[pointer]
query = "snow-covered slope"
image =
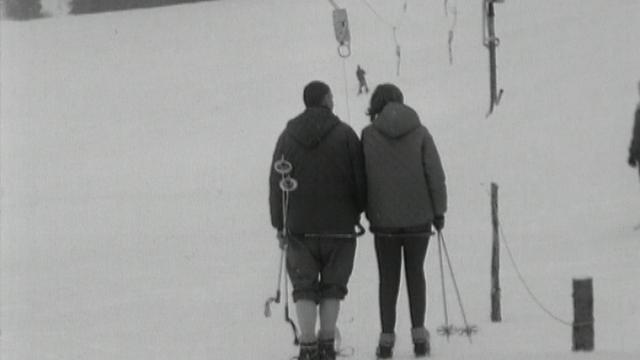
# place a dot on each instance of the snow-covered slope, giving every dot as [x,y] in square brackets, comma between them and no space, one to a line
[135,149]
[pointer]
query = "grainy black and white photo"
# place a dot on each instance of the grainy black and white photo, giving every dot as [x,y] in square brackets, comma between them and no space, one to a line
[319,179]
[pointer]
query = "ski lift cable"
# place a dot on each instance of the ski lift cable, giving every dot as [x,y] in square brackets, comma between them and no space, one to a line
[394,29]
[454,11]
[343,36]
[373,10]
[398,22]
[402,15]
[346,88]
[524,283]
[452,29]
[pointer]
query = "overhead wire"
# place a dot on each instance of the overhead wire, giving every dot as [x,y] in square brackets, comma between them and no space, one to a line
[341,28]
[454,11]
[394,28]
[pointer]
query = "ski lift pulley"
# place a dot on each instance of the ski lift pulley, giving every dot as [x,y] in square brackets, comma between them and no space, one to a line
[341,28]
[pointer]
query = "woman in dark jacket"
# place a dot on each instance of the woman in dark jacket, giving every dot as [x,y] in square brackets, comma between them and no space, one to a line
[406,195]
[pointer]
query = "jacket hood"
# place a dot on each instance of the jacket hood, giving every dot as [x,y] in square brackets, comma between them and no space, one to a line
[396,120]
[312,126]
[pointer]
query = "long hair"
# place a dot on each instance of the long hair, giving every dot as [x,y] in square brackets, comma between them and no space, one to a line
[382,95]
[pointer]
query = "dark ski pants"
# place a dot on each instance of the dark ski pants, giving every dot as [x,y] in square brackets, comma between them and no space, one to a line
[363,85]
[390,251]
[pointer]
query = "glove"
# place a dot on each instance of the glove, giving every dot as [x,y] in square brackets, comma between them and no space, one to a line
[282,239]
[438,222]
[632,161]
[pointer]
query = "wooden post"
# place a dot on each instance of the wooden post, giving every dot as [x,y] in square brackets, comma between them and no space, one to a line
[583,333]
[495,257]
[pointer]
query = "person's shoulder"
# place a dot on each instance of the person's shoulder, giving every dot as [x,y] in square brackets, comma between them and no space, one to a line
[424,131]
[345,128]
[367,129]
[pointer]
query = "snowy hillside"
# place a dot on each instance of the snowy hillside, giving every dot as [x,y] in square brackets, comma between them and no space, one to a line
[135,150]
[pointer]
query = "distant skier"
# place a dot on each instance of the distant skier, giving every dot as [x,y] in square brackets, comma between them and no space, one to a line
[406,196]
[634,148]
[362,81]
[326,157]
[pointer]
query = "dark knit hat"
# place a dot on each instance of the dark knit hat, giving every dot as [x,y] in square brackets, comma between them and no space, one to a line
[314,93]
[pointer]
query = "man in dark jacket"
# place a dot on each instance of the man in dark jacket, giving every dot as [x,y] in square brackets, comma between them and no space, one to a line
[634,148]
[322,212]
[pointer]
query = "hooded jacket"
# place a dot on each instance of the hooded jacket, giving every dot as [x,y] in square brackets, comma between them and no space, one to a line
[327,161]
[405,181]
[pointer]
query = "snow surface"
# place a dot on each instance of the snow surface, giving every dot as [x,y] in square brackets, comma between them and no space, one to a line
[135,150]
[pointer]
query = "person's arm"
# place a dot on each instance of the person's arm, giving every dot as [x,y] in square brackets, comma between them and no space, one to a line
[434,174]
[634,148]
[275,193]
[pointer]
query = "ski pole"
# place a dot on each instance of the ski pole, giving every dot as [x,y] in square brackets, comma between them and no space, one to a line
[283,168]
[287,185]
[446,329]
[467,330]
[296,340]
[276,299]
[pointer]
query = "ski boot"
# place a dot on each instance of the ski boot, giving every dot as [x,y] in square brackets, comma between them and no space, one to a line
[421,342]
[326,350]
[308,351]
[385,346]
